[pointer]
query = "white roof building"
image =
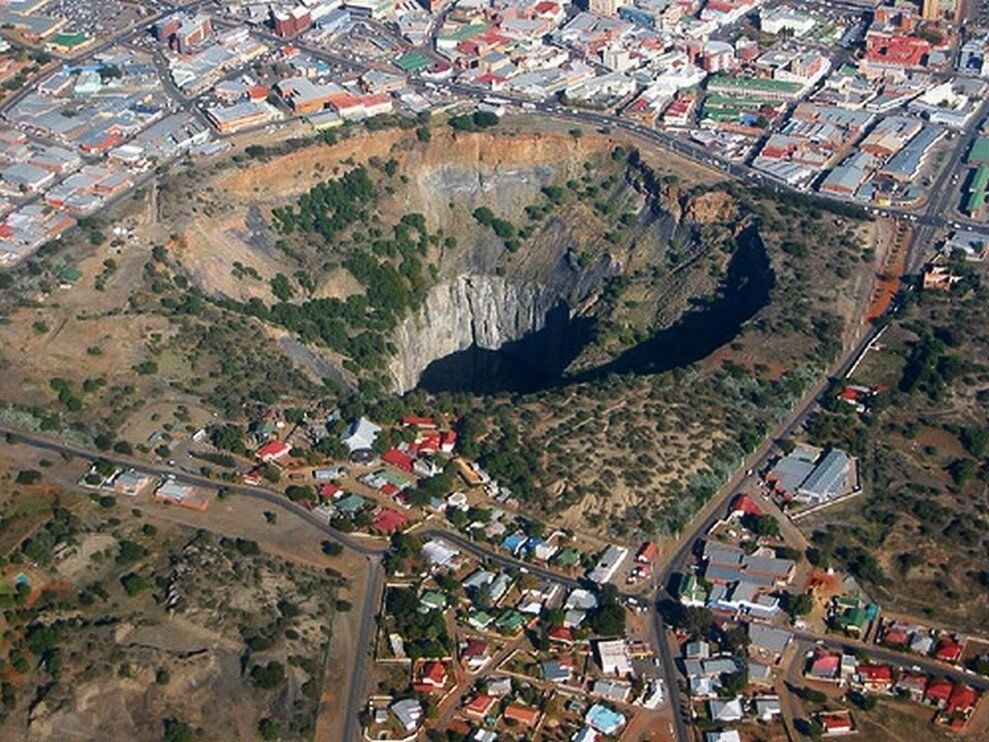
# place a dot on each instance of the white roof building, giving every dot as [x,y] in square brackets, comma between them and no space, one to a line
[613,656]
[360,434]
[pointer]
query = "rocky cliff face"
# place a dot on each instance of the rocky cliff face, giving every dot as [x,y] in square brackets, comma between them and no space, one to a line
[488,311]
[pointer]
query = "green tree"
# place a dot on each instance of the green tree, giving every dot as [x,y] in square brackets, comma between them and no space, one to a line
[268,676]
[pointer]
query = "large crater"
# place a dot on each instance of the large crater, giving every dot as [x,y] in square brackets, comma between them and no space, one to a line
[487,333]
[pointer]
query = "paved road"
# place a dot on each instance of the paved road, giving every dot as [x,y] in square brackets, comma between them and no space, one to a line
[893,657]
[362,658]
[269,497]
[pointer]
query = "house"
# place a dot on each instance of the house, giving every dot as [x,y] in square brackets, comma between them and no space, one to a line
[560,635]
[429,677]
[413,421]
[328,490]
[408,712]
[921,642]
[604,719]
[611,690]
[479,620]
[722,735]
[653,695]
[432,600]
[742,505]
[557,670]
[850,616]
[475,653]
[131,482]
[398,459]
[525,715]
[608,563]
[938,692]
[808,475]
[613,656]
[691,592]
[568,558]
[835,722]
[647,553]
[479,705]
[360,435]
[272,451]
[895,635]
[499,687]
[438,554]
[767,708]
[875,678]
[825,667]
[389,520]
[510,622]
[962,700]
[939,278]
[697,650]
[767,642]
[725,710]
[350,504]
[759,673]
[913,684]
[947,649]
[175,493]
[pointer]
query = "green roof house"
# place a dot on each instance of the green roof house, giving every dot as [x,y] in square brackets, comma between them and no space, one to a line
[510,621]
[568,557]
[350,504]
[432,600]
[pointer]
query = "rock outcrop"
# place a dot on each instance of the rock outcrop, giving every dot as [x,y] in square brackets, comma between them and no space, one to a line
[488,311]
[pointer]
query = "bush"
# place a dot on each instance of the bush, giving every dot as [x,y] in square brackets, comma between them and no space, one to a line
[133,583]
[267,729]
[176,730]
[28,476]
[331,548]
[268,676]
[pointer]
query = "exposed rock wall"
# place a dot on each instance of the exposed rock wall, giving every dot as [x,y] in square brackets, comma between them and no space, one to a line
[488,311]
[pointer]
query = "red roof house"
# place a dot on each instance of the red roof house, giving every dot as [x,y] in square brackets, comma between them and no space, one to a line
[825,667]
[522,714]
[835,722]
[430,677]
[962,700]
[938,692]
[389,520]
[948,649]
[742,504]
[874,677]
[328,490]
[647,553]
[272,450]
[896,636]
[475,653]
[428,441]
[448,440]
[479,705]
[398,459]
[561,634]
